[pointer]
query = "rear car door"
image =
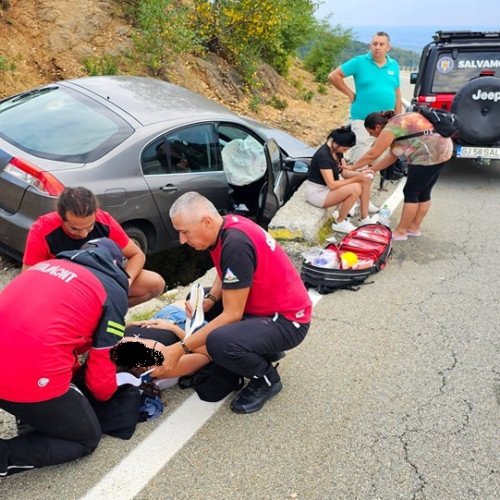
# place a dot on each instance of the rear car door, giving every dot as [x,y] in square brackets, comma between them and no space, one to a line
[186,159]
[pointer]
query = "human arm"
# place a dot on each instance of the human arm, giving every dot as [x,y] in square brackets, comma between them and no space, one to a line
[348,176]
[211,298]
[234,305]
[398,108]
[100,375]
[135,260]
[161,324]
[36,249]
[383,141]
[337,79]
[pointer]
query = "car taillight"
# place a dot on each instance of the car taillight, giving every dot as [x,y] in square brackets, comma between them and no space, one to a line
[40,179]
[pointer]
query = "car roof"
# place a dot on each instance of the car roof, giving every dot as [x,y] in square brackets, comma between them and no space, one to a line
[148,100]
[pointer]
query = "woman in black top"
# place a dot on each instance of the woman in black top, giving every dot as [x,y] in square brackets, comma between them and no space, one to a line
[329,183]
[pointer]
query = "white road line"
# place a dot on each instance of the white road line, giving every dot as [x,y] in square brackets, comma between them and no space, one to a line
[137,469]
[396,197]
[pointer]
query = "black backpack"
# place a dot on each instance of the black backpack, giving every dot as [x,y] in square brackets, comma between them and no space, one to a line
[444,122]
[395,171]
[212,382]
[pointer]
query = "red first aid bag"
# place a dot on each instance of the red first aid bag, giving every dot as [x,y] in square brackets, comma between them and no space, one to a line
[372,246]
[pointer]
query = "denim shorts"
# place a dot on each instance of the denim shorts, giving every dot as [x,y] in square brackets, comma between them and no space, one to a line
[173,314]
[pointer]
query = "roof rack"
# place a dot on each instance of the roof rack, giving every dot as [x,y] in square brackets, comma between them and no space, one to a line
[448,36]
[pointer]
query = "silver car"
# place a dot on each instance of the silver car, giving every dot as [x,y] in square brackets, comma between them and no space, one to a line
[138,143]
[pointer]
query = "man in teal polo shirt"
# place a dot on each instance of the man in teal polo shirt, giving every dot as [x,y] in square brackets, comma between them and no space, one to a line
[377,88]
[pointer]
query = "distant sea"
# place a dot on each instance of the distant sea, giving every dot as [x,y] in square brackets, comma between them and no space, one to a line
[410,37]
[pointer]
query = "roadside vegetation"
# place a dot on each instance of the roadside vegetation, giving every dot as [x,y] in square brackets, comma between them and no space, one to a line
[244,33]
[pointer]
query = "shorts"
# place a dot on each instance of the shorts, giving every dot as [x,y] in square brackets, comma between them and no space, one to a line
[316,194]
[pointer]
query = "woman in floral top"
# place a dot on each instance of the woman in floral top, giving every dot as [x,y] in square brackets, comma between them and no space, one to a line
[426,154]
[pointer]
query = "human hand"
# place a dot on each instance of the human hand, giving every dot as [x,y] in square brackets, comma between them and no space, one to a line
[171,355]
[189,309]
[155,323]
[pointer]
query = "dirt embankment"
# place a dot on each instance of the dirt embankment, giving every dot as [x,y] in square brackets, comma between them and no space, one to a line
[45,41]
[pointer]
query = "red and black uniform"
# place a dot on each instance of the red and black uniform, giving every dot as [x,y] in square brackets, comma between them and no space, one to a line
[51,313]
[47,236]
[278,307]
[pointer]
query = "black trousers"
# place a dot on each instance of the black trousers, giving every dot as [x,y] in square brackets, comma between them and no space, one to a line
[242,347]
[65,428]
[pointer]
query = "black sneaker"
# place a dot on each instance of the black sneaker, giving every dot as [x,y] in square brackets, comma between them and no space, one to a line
[254,396]
[23,427]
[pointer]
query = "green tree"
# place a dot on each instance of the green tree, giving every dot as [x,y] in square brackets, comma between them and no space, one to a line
[163,30]
[246,32]
[323,52]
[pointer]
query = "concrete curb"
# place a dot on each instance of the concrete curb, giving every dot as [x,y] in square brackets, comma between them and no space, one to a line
[299,221]
[295,226]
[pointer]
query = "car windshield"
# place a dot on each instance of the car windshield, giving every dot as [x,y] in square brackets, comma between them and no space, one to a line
[453,71]
[60,124]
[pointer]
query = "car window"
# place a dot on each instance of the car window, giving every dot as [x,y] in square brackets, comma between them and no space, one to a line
[190,149]
[454,69]
[245,166]
[63,125]
[243,155]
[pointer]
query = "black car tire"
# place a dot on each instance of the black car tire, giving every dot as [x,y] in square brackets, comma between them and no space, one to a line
[138,237]
[480,117]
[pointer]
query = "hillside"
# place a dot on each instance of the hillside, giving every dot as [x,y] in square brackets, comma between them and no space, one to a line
[46,41]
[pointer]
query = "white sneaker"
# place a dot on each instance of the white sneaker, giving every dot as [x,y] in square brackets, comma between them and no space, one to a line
[366,220]
[343,227]
[353,210]
[373,209]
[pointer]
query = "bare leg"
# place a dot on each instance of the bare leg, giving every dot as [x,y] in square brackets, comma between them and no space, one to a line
[347,195]
[407,216]
[364,199]
[146,286]
[423,208]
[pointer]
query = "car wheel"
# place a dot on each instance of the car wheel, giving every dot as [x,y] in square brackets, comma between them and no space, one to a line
[477,104]
[138,237]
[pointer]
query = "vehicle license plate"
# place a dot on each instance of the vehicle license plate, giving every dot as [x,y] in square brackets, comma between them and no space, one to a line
[470,152]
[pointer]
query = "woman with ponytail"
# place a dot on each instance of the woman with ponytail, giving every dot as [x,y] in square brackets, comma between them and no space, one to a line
[427,154]
[330,183]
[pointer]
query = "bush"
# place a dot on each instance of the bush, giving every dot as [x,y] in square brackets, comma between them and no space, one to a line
[255,103]
[306,95]
[322,89]
[98,66]
[278,103]
[323,54]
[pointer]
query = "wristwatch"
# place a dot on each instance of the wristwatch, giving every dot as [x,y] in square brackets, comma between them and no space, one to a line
[211,297]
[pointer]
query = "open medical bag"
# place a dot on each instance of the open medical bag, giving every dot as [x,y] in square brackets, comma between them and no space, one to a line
[372,247]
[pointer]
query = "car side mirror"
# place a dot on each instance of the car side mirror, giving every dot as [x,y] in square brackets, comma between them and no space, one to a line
[300,167]
[413,78]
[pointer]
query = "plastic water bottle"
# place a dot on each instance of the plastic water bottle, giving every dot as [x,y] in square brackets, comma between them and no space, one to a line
[384,216]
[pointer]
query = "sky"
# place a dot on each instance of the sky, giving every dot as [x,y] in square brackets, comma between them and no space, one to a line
[436,13]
